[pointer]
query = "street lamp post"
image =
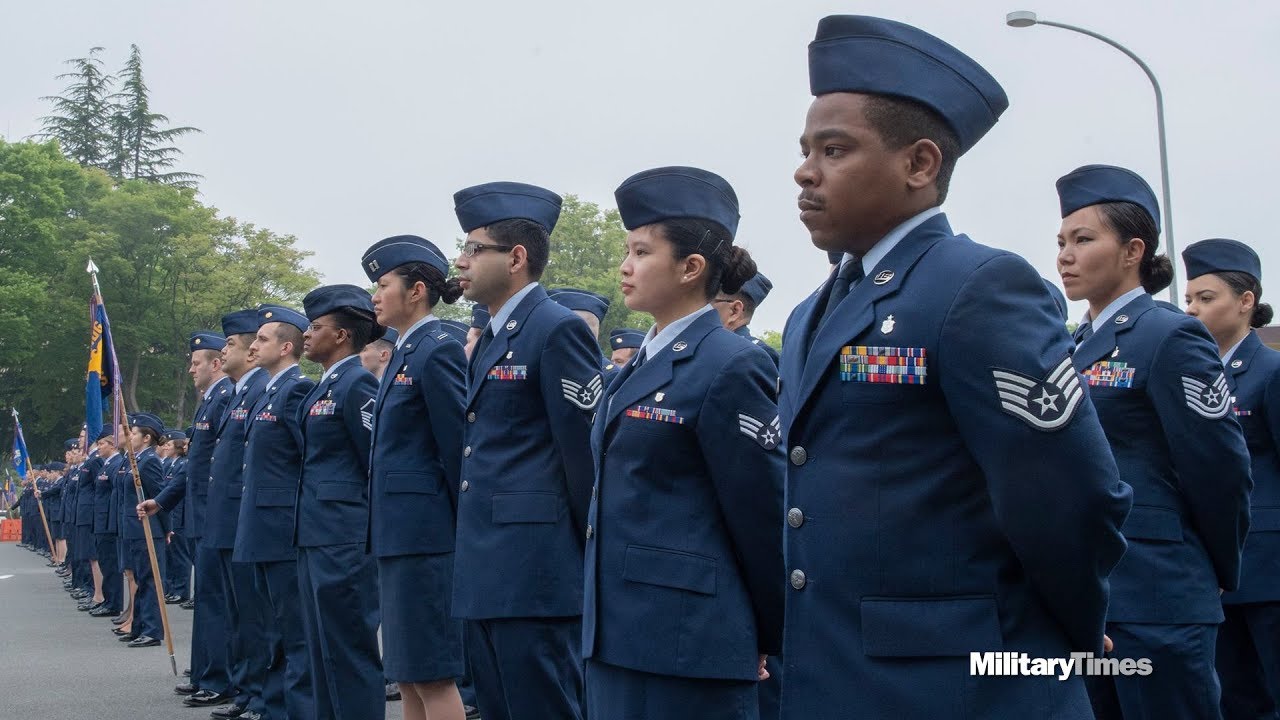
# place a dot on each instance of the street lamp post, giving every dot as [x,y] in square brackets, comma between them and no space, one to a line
[1025,18]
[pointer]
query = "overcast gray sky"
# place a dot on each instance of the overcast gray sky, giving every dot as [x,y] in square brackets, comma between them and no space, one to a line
[343,123]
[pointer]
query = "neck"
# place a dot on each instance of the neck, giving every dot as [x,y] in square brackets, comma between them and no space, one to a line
[402,326]
[275,368]
[662,317]
[1230,339]
[1098,304]
[335,358]
[862,244]
[498,301]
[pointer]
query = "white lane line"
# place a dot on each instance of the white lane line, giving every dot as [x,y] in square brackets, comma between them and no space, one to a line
[5,577]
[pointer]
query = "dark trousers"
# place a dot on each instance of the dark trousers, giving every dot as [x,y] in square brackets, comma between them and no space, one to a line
[146,613]
[1182,686]
[527,667]
[1249,661]
[287,691]
[178,566]
[109,563]
[771,690]
[246,622]
[211,630]
[617,693]
[338,587]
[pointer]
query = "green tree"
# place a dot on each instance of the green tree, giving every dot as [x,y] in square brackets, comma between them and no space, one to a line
[80,117]
[141,145]
[772,338]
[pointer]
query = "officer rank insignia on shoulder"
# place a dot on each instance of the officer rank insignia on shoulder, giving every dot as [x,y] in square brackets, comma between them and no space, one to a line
[767,434]
[898,365]
[508,372]
[1209,400]
[1110,374]
[583,396]
[322,407]
[1047,404]
[644,412]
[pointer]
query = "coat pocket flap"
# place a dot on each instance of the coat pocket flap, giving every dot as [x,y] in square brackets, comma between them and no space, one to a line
[532,507]
[670,568]
[1153,523]
[930,627]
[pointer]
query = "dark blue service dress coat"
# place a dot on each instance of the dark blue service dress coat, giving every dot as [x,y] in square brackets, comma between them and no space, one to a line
[949,491]
[415,467]
[685,534]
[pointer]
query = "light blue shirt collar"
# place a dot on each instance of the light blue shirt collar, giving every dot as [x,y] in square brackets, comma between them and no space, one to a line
[244,380]
[212,385]
[337,365]
[412,329]
[499,319]
[654,343]
[1226,358]
[272,382]
[890,241]
[1114,307]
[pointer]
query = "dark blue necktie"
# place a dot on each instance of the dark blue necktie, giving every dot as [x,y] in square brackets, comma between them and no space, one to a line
[850,273]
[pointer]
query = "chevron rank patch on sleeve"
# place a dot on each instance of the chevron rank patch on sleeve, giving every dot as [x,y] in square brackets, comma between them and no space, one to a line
[1211,400]
[1047,404]
[584,396]
[767,434]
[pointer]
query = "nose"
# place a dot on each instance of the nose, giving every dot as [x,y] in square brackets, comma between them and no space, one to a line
[806,174]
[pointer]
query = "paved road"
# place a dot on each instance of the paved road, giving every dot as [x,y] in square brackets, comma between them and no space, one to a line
[59,664]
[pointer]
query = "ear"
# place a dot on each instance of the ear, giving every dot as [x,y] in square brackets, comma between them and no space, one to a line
[519,259]
[1133,252]
[1247,302]
[694,267]
[924,162]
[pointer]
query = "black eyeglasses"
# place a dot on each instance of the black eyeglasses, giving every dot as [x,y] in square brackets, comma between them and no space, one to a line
[470,249]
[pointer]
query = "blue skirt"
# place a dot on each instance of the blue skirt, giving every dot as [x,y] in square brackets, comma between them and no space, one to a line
[618,693]
[421,641]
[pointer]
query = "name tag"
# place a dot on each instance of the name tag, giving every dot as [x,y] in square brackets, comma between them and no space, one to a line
[644,412]
[323,407]
[896,365]
[1110,374]
[508,372]
[239,414]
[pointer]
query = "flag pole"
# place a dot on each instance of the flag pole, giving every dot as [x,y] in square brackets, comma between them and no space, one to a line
[118,394]
[35,489]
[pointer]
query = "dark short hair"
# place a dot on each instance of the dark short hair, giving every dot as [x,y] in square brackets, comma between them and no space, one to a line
[358,325]
[535,239]
[900,122]
[287,332]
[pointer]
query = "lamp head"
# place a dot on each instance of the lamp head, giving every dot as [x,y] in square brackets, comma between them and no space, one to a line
[1020,19]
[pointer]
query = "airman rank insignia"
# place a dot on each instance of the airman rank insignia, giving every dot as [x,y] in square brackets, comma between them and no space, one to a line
[1110,374]
[322,408]
[1047,404]
[508,372]
[1210,400]
[864,363]
[644,412]
[586,396]
[366,413]
[767,434]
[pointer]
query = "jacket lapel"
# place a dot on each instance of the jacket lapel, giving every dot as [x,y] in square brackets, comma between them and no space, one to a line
[856,312]
[656,372]
[497,349]
[1106,339]
[401,356]
[1242,359]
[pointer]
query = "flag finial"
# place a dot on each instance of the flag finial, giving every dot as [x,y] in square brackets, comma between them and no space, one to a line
[91,269]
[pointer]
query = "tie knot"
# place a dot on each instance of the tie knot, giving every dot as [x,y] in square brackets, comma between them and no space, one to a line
[851,271]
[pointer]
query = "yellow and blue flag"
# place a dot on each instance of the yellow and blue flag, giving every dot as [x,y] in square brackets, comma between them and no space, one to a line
[100,379]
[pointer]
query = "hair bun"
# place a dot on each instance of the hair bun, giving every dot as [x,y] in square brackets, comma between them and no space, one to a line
[1262,315]
[1157,275]
[451,291]
[739,268]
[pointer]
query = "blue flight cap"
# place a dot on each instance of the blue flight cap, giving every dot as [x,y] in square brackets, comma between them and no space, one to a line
[1094,184]
[479,315]
[207,340]
[391,335]
[873,56]
[757,288]
[665,193]
[482,205]
[240,322]
[56,466]
[625,338]
[1058,298]
[106,433]
[174,435]
[386,255]
[330,298]
[147,420]
[71,444]
[1221,255]
[457,330]
[279,313]
[584,300]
